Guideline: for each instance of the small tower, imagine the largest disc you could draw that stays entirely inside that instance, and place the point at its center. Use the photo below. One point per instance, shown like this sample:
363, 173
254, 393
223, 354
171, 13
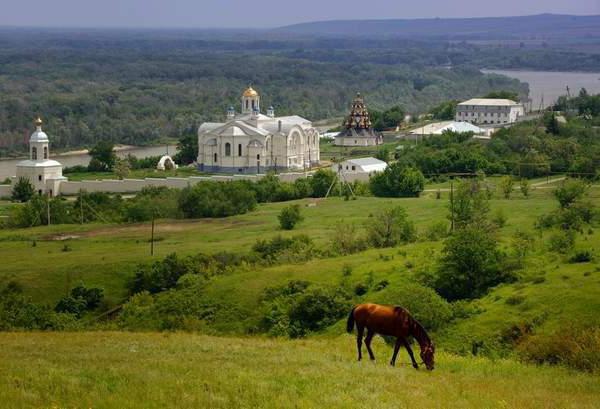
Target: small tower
271, 112
44, 173
38, 143
230, 113
250, 101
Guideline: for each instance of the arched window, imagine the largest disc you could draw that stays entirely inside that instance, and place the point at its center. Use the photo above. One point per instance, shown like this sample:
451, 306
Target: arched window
267, 146
246, 104
258, 157
45, 152
240, 149
34, 153
227, 149
215, 158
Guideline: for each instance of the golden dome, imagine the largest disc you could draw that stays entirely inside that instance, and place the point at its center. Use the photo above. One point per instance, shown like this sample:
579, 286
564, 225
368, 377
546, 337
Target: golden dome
250, 92
38, 121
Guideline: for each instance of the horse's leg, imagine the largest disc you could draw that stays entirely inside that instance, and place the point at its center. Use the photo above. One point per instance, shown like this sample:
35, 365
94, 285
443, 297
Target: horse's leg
396, 348
359, 335
410, 352
368, 340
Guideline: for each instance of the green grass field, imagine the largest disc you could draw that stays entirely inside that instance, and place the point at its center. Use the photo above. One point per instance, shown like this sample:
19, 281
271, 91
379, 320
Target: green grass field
125, 370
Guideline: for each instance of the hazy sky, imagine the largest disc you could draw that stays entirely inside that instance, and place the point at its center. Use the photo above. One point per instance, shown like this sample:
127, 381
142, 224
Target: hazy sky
262, 13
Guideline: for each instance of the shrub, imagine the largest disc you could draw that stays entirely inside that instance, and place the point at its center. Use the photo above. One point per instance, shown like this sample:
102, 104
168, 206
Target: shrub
296, 248
360, 289
390, 227
81, 299
289, 217
431, 310
582, 256
345, 239
436, 231
562, 241
499, 218
217, 199
575, 347
296, 310
22, 190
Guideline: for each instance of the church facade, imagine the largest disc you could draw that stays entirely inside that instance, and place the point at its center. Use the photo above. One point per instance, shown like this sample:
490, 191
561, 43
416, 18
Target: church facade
358, 130
251, 142
44, 173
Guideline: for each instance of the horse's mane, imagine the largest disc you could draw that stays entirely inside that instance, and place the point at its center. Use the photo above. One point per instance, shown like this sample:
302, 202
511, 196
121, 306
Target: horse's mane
419, 333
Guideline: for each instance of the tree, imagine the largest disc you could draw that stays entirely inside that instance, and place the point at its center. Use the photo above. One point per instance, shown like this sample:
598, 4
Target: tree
103, 156
320, 181
398, 180
551, 123
187, 149
569, 192
514, 96
390, 227
470, 265
289, 217
469, 204
506, 186
121, 168
524, 186
445, 111
23, 190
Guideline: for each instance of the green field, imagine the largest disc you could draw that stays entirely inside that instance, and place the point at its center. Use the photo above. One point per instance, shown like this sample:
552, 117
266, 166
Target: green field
123, 370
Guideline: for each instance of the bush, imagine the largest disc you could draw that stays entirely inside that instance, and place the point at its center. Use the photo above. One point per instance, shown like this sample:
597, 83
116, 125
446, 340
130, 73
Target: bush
562, 241
217, 199
320, 182
582, 256
570, 191
431, 310
296, 248
295, 310
436, 231
289, 217
525, 187
18, 312
81, 299
578, 348
390, 227
22, 190
346, 240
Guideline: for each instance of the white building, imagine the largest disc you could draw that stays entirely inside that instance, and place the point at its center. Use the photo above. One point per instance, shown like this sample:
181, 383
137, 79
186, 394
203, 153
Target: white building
439, 128
251, 142
360, 166
44, 173
489, 111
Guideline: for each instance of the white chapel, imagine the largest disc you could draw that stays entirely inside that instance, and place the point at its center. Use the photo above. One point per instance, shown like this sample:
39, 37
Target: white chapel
44, 173
251, 142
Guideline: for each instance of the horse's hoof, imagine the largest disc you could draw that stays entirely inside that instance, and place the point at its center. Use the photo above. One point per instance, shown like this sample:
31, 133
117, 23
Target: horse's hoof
416, 366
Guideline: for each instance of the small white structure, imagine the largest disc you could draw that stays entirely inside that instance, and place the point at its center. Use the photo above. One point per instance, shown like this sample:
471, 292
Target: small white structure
361, 165
44, 173
439, 127
166, 163
489, 111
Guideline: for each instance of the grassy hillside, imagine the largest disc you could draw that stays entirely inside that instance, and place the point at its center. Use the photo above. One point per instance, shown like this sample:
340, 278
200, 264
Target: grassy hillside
123, 370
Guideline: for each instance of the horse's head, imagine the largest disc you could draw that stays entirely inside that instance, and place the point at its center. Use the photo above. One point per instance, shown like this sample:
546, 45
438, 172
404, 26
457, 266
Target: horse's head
427, 353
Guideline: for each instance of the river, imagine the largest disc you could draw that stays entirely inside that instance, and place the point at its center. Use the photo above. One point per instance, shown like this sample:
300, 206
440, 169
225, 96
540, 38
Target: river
549, 85
8, 166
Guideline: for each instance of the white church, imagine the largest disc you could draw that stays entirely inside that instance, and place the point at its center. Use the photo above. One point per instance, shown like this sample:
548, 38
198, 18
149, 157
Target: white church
251, 142
44, 173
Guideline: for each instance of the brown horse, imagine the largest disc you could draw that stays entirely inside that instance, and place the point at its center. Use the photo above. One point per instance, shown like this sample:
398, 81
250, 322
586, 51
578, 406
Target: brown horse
391, 321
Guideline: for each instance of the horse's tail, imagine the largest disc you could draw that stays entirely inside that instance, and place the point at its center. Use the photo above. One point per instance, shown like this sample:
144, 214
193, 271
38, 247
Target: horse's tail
350, 322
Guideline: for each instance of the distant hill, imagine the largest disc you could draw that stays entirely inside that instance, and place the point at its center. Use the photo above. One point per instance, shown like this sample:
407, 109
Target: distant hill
542, 26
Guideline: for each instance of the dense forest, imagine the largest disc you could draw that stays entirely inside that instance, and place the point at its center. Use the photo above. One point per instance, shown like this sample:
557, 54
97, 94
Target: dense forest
141, 87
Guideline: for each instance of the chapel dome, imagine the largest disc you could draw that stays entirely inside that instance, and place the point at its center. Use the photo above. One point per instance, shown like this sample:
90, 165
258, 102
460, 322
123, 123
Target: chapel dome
250, 92
38, 135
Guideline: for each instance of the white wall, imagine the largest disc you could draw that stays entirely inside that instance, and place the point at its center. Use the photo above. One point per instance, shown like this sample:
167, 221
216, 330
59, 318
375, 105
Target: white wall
5, 191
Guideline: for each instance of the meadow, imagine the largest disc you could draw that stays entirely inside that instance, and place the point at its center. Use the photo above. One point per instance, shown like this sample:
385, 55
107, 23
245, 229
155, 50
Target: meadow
125, 370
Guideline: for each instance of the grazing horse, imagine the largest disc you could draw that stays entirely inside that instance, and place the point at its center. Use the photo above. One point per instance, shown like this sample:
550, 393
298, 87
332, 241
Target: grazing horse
391, 321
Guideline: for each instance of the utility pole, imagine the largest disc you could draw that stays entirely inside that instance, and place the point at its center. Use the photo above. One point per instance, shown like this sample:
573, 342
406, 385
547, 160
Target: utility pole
152, 237
452, 204
48, 207
81, 205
